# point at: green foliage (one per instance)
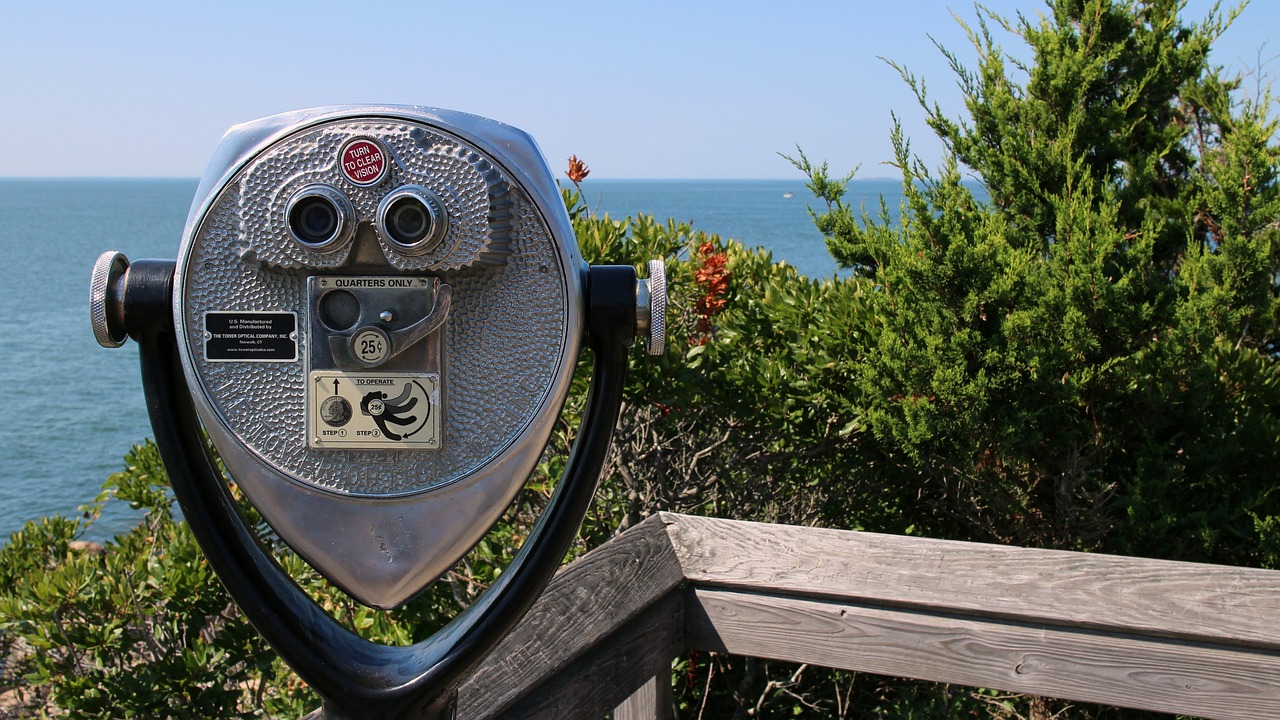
(140, 628)
(725, 422)
(1084, 357)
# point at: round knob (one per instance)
(651, 310)
(106, 299)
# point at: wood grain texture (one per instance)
(1142, 672)
(1161, 598)
(589, 600)
(652, 701)
(1165, 636)
(597, 682)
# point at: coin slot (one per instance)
(339, 310)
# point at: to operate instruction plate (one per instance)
(383, 411)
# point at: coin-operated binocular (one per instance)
(375, 316)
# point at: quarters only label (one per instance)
(250, 336)
(387, 411)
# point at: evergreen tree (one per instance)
(1086, 358)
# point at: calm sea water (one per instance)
(72, 409)
(773, 214)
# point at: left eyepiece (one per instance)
(320, 218)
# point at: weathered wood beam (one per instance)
(1174, 600)
(620, 664)
(1158, 635)
(589, 600)
(1202, 679)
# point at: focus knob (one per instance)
(651, 307)
(106, 299)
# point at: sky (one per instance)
(651, 89)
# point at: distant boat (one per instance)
(788, 195)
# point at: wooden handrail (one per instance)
(1172, 637)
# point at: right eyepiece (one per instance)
(412, 219)
(320, 217)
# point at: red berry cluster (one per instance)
(712, 276)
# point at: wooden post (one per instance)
(606, 624)
(651, 702)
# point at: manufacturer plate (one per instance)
(385, 411)
(250, 336)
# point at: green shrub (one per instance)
(1084, 359)
(1087, 359)
(138, 628)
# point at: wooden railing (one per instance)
(1175, 637)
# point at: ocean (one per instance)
(72, 409)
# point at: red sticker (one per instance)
(363, 162)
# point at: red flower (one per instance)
(578, 170)
(712, 275)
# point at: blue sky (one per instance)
(652, 89)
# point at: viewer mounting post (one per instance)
(375, 316)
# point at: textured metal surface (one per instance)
(383, 524)
(476, 196)
(505, 340)
(104, 299)
(657, 307)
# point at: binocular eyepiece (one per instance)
(377, 313)
(411, 219)
(320, 217)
